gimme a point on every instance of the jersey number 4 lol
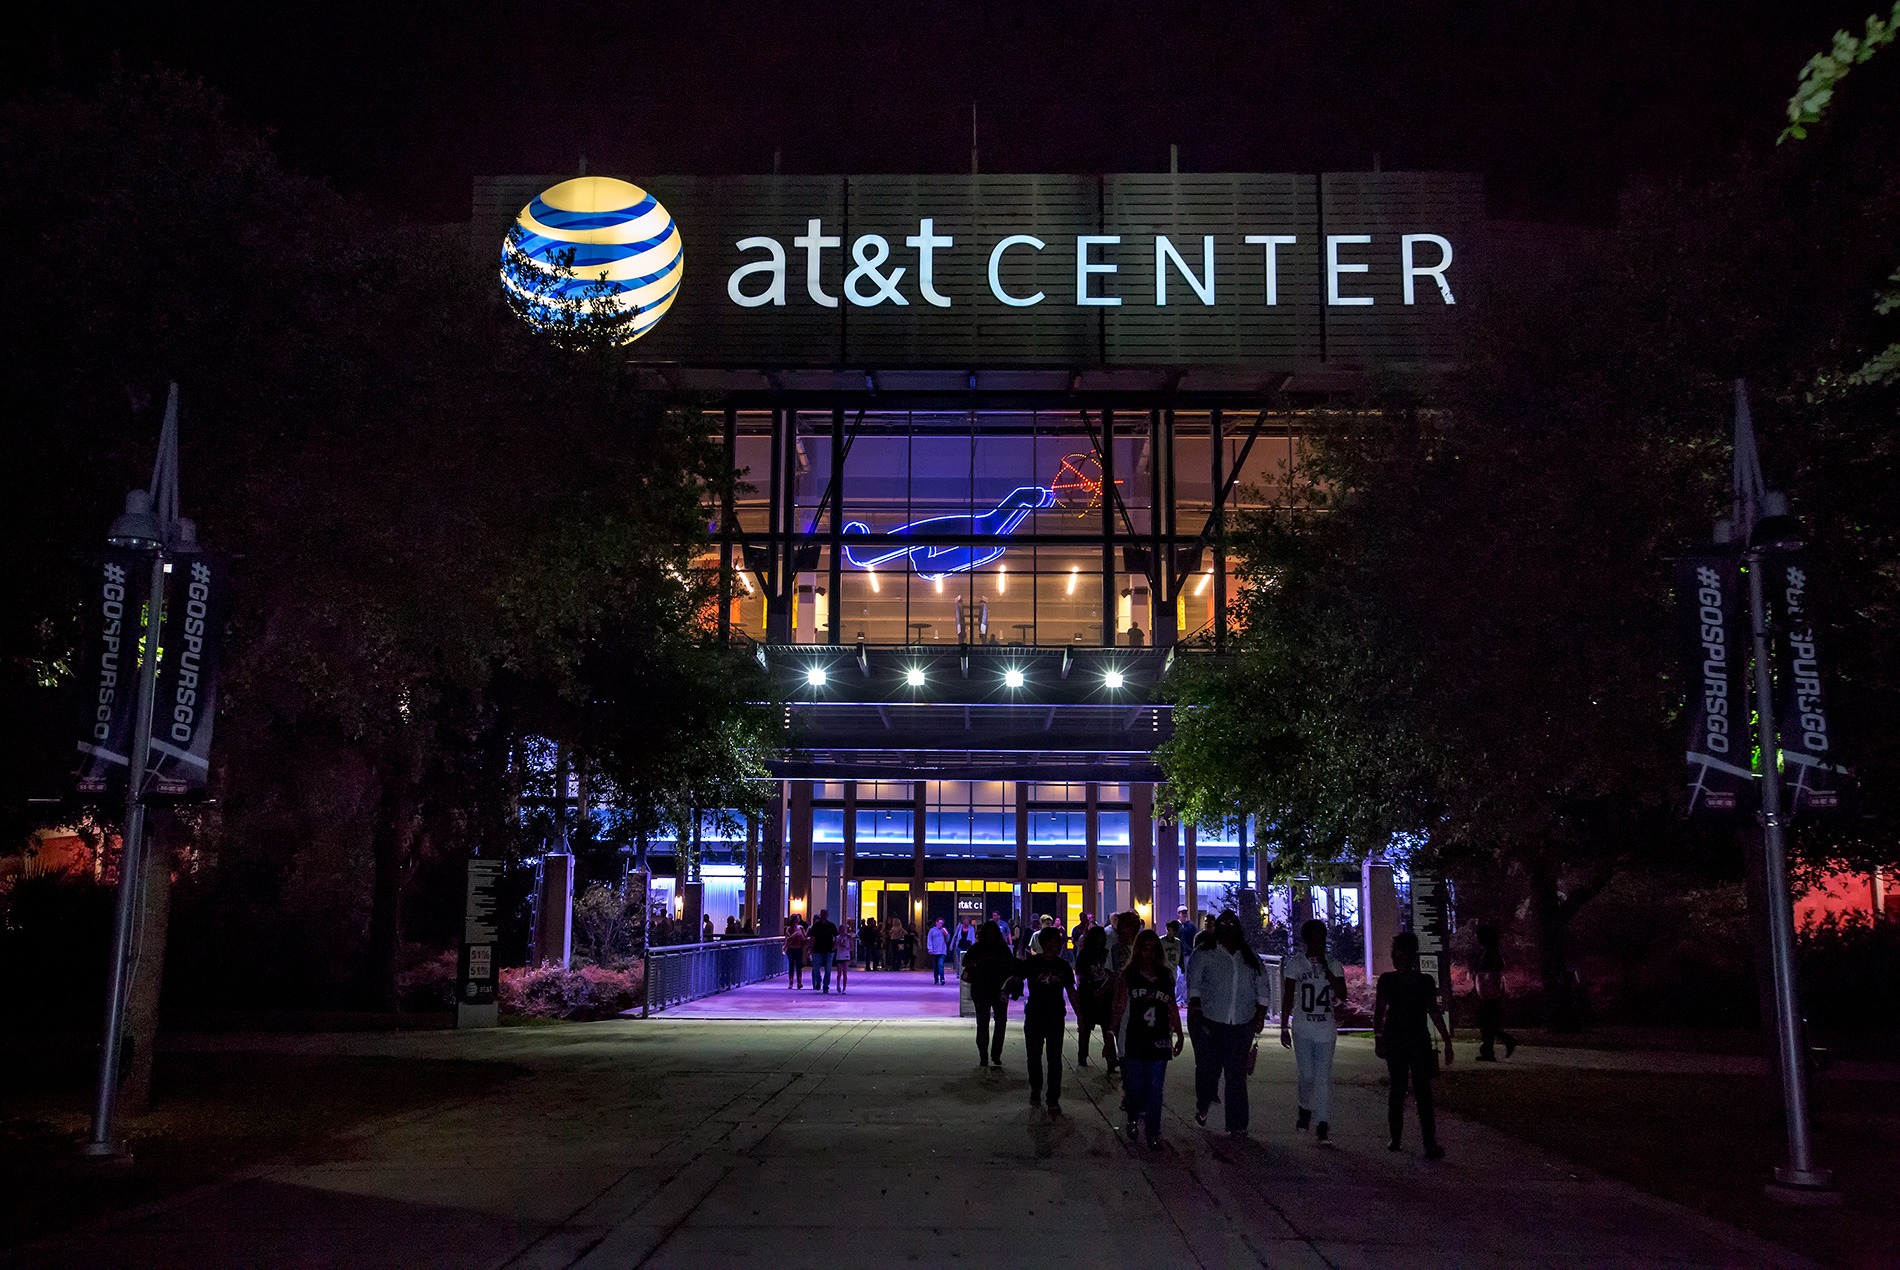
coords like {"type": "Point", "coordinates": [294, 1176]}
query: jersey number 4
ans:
{"type": "Point", "coordinates": [1309, 1003]}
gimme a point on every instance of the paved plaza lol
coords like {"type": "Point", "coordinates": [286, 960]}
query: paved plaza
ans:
{"type": "Point", "coordinates": [839, 1143]}
{"type": "Point", "coordinates": [871, 994]}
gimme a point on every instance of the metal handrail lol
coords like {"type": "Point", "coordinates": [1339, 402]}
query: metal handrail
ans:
{"type": "Point", "coordinates": [678, 973]}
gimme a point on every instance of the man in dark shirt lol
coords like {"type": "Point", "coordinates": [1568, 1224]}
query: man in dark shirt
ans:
{"type": "Point", "coordinates": [824, 948]}
{"type": "Point", "coordinates": [1048, 981]}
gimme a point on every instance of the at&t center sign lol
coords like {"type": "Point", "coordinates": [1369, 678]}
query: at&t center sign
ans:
{"type": "Point", "coordinates": [997, 271]}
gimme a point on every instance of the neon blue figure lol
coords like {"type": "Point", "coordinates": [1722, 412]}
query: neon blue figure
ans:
{"type": "Point", "coordinates": [932, 563]}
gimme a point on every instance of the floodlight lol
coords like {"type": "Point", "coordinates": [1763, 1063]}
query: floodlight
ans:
{"type": "Point", "coordinates": [1012, 678]}
{"type": "Point", "coordinates": [1112, 680]}
{"type": "Point", "coordinates": [914, 677]}
{"type": "Point", "coordinates": [138, 528]}
{"type": "Point", "coordinates": [815, 676]}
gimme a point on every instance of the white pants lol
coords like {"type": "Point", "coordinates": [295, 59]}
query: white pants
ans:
{"type": "Point", "coordinates": [1313, 1055]}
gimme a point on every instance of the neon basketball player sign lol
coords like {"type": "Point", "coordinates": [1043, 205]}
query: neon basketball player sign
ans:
{"type": "Point", "coordinates": [1074, 490]}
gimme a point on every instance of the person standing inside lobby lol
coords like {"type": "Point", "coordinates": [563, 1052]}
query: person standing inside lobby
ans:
{"type": "Point", "coordinates": [937, 944]}
{"type": "Point", "coordinates": [824, 949]}
{"type": "Point", "coordinates": [1227, 1005]}
{"type": "Point", "coordinates": [796, 942]}
{"type": "Point", "coordinates": [847, 948]}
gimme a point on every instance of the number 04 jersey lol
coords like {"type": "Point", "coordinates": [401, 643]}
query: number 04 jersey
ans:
{"type": "Point", "coordinates": [1312, 995]}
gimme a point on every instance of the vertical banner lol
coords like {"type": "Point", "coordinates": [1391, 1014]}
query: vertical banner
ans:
{"type": "Point", "coordinates": [1812, 779]}
{"type": "Point", "coordinates": [109, 679]}
{"type": "Point", "coordinates": [1431, 922]}
{"type": "Point", "coordinates": [191, 640]}
{"type": "Point", "coordinates": [1708, 601]}
{"type": "Point", "coordinates": [477, 978]}
{"type": "Point", "coordinates": [637, 905]}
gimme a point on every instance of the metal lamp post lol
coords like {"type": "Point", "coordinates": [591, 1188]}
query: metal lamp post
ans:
{"type": "Point", "coordinates": [1763, 526]}
{"type": "Point", "coordinates": [155, 529]}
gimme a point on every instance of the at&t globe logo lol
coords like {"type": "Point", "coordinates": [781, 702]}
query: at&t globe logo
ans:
{"type": "Point", "coordinates": [593, 253]}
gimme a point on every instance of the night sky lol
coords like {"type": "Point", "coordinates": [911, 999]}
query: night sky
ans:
{"type": "Point", "coordinates": [400, 105]}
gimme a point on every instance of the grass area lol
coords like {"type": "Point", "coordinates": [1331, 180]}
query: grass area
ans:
{"type": "Point", "coordinates": [1708, 1142]}
{"type": "Point", "coordinates": [212, 1115]}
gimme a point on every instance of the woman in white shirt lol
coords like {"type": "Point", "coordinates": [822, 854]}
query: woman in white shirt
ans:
{"type": "Point", "coordinates": [1312, 984]}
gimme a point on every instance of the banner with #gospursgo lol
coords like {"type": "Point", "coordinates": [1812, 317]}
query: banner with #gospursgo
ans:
{"type": "Point", "coordinates": [1708, 593]}
{"type": "Point", "coordinates": [190, 642]}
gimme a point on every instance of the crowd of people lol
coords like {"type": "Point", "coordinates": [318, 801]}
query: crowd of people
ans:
{"type": "Point", "coordinates": [1143, 997]}
{"type": "Point", "coordinates": [1132, 986]}
{"type": "Point", "coordinates": [824, 946]}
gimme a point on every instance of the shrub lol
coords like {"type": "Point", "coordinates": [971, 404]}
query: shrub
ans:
{"type": "Point", "coordinates": [1850, 969]}
{"type": "Point", "coordinates": [585, 992]}
{"type": "Point", "coordinates": [427, 980]}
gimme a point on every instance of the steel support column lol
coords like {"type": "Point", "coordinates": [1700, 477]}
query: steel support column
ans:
{"type": "Point", "coordinates": [772, 866]}
{"type": "Point", "coordinates": [1092, 846]}
{"type": "Point", "coordinates": [1106, 454]}
{"type": "Point", "coordinates": [1141, 849]}
{"type": "Point", "coordinates": [1217, 444]}
{"type": "Point", "coordinates": [1022, 849]}
{"type": "Point", "coordinates": [834, 601]}
{"type": "Point", "coordinates": [919, 822]}
{"type": "Point", "coordinates": [799, 900]}
{"type": "Point", "coordinates": [1191, 848]}
{"type": "Point", "coordinates": [727, 523]}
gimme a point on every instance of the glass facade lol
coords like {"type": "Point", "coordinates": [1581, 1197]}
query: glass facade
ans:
{"type": "Point", "coordinates": [1027, 528]}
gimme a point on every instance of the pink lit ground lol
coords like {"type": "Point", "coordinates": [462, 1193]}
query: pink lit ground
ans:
{"type": "Point", "coordinates": [878, 994]}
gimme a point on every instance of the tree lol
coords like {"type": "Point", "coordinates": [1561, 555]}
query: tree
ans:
{"type": "Point", "coordinates": [1467, 636]}
{"type": "Point", "coordinates": [450, 530]}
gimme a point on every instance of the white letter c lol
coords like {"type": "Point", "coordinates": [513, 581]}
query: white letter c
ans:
{"type": "Point", "coordinates": [996, 260]}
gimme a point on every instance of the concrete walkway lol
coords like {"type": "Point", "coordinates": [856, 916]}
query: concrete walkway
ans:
{"type": "Point", "coordinates": [877, 994]}
{"type": "Point", "coordinates": [842, 1144]}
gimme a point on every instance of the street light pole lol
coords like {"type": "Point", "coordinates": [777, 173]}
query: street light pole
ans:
{"type": "Point", "coordinates": [1800, 1170]}
{"type": "Point", "coordinates": [1763, 523]}
{"type": "Point", "coordinates": [150, 524]}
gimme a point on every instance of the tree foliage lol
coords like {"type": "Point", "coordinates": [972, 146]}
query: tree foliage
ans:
{"type": "Point", "coordinates": [1465, 638]}
{"type": "Point", "coordinates": [451, 533]}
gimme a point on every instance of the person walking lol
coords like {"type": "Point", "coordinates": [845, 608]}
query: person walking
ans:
{"type": "Point", "coordinates": [1405, 999]}
{"type": "Point", "coordinates": [824, 950]}
{"type": "Point", "coordinates": [1227, 1001]}
{"type": "Point", "coordinates": [1175, 949]}
{"type": "Point", "coordinates": [1095, 998]}
{"type": "Point", "coordinates": [1147, 1032]}
{"type": "Point", "coordinates": [796, 943]}
{"type": "Point", "coordinates": [1049, 981]}
{"type": "Point", "coordinates": [937, 944]}
{"type": "Point", "coordinates": [1487, 971]}
{"type": "Point", "coordinates": [1189, 933]}
{"type": "Point", "coordinates": [1311, 984]}
{"type": "Point", "coordinates": [871, 938]}
{"type": "Point", "coordinates": [706, 932]}
{"type": "Point", "coordinates": [1206, 1070]}
{"type": "Point", "coordinates": [732, 928]}
{"type": "Point", "coordinates": [847, 948]}
{"type": "Point", "coordinates": [897, 944]}
{"type": "Point", "coordinates": [1079, 933]}
{"type": "Point", "coordinates": [964, 940]}
{"type": "Point", "coordinates": [987, 968]}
